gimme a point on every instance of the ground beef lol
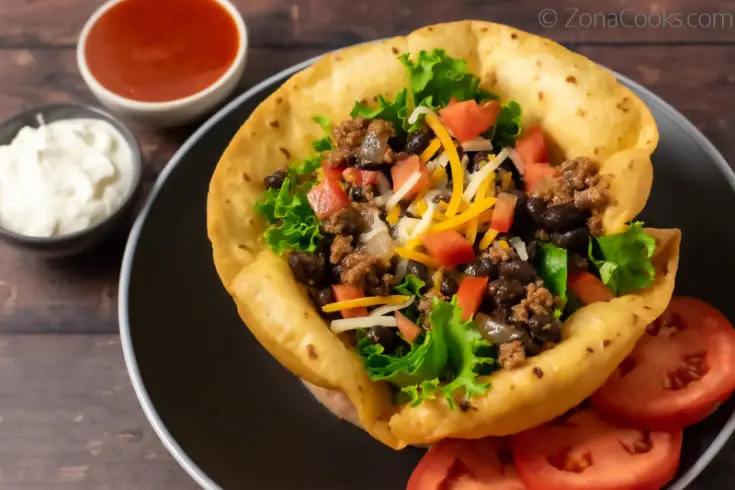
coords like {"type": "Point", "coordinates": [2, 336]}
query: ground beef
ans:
{"type": "Point", "coordinates": [591, 198]}
{"type": "Point", "coordinates": [511, 355]}
{"type": "Point", "coordinates": [500, 254]}
{"type": "Point", "coordinates": [594, 223]}
{"type": "Point", "coordinates": [367, 271]}
{"type": "Point", "coordinates": [339, 157]}
{"type": "Point", "coordinates": [349, 134]}
{"type": "Point", "coordinates": [426, 300]}
{"type": "Point", "coordinates": [538, 300]}
{"type": "Point", "coordinates": [345, 221]}
{"type": "Point", "coordinates": [341, 248]}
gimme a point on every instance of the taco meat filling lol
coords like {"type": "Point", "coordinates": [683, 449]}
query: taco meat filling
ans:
{"type": "Point", "coordinates": [446, 228]}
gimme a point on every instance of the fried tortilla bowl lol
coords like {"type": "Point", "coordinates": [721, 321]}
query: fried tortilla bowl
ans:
{"type": "Point", "coordinates": [583, 112]}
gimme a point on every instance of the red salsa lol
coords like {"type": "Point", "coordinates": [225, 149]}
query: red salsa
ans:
{"type": "Point", "coordinates": [161, 50]}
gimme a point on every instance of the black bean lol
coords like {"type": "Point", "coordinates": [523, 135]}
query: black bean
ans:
{"type": "Point", "coordinates": [576, 239]}
{"type": "Point", "coordinates": [356, 193]}
{"type": "Point", "coordinates": [322, 297]}
{"type": "Point", "coordinates": [418, 141]}
{"type": "Point", "coordinates": [496, 331]}
{"type": "Point", "coordinates": [506, 292]}
{"type": "Point", "coordinates": [309, 268]}
{"type": "Point", "coordinates": [544, 328]}
{"type": "Point", "coordinates": [532, 250]}
{"type": "Point", "coordinates": [275, 180]}
{"type": "Point", "coordinates": [481, 267]}
{"type": "Point", "coordinates": [386, 337]}
{"type": "Point", "coordinates": [562, 217]}
{"type": "Point", "coordinates": [449, 287]}
{"type": "Point", "coordinates": [417, 269]}
{"type": "Point", "coordinates": [535, 208]}
{"type": "Point", "coordinates": [444, 195]}
{"type": "Point", "coordinates": [519, 270]}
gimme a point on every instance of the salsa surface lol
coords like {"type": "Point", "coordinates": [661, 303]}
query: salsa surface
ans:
{"type": "Point", "coordinates": [162, 50]}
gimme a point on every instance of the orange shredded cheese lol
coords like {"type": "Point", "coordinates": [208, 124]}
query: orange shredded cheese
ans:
{"type": "Point", "coordinates": [457, 171]}
{"type": "Point", "coordinates": [417, 256]}
{"type": "Point", "coordinates": [430, 150]}
{"type": "Point", "coordinates": [488, 238]}
{"type": "Point", "coordinates": [473, 211]}
{"type": "Point", "coordinates": [360, 302]}
{"type": "Point", "coordinates": [393, 215]}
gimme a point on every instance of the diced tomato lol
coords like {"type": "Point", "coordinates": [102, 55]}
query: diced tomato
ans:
{"type": "Point", "coordinates": [469, 295]}
{"type": "Point", "coordinates": [503, 212]}
{"type": "Point", "coordinates": [360, 177]}
{"type": "Point", "coordinates": [343, 292]}
{"type": "Point", "coordinates": [332, 173]}
{"type": "Point", "coordinates": [449, 248]}
{"type": "Point", "coordinates": [327, 198]}
{"type": "Point", "coordinates": [472, 464]}
{"type": "Point", "coordinates": [531, 146]}
{"type": "Point", "coordinates": [679, 372]}
{"type": "Point", "coordinates": [467, 120]}
{"type": "Point", "coordinates": [584, 452]}
{"type": "Point", "coordinates": [368, 176]}
{"type": "Point", "coordinates": [535, 173]}
{"type": "Point", "coordinates": [404, 169]}
{"type": "Point", "coordinates": [409, 329]}
{"type": "Point", "coordinates": [588, 288]}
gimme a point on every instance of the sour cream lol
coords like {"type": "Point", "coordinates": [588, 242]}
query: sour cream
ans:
{"type": "Point", "coordinates": [63, 177]}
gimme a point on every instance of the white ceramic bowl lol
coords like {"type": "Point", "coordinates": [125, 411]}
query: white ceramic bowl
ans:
{"type": "Point", "coordinates": [174, 112]}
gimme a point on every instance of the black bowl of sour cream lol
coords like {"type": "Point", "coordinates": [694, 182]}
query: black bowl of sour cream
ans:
{"type": "Point", "coordinates": [69, 175]}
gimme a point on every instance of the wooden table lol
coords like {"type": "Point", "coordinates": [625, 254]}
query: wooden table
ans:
{"type": "Point", "coordinates": [68, 415]}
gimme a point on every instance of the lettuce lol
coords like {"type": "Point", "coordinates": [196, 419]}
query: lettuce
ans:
{"type": "Point", "coordinates": [507, 127]}
{"type": "Point", "coordinates": [394, 111]}
{"type": "Point", "coordinates": [551, 264]}
{"type": "Point", "coordinates": [624, 259]}
{"type": "Point", "coordinates": [446, 361]}
{"type": "Point", "coordinates": [435, 78]}
{"type": "Point", "coordinates": [410, 286]}
{"type": "Point", "coordinates": [292, 224]}
{"type": "Point", "coordinates": [324, 143]}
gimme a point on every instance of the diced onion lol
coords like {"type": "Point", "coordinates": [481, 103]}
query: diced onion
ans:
{"type": "Point", "coordinates": [345, 324]}
{"type": "Point", "coordinates": [425, 222]}
{"type": "Point", "coordinates": [405, 227]}
{"type": "Point", "coordinates": [417, 112]}
{"type": "Point", "coordinates": [442, 160]}
{"type": "Point", "coordinates": [378, 241]}
{"type": "Point", "coordinates": [480, 175]}
{"type": "Point", "coordinates": [403, 191]}
{"type": "Point", "coordinates": [520, 247]}
{"type": "Point", "coordinates": [391, 308]}
{"type": "Point", "coordinates": [477, 144]}
{"type": "Point", "coordinates": [401, 268]}
{"type": "Point", "coordinates": [517, 161]}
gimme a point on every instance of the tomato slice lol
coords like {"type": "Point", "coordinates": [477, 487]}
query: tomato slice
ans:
{"type": "Point", "coordinates": [535, 173]}
{"type": "Point", "coordinates": [403, 170]}
{"type": "Point", "coordinates": [409, 329]}
{"type": "Point", "coordinates": [679, 372]}
{"type": "Point", "coordinates": [449, 248]}
{"type": "Point", "coordinates": [467, 120]}
{"type": "Point", "coordinates": [327, 198]}
{"type": "Point", "coordinates": [588, 288]}
{"type": "Point", "coordinates": [454, 464]}
{"type": "Point", "coordinates": [584, 452]}
{"type": "Point", "coordinates": [503, 212]}
{"type": "Point", "coordinates": [531, 146]}
{"type": "Point", "coordinates": [343, 292]}
{"type": "Point", "coordinates": [469, 295]}
{"type": "Point", "coordinates": [332, 173]}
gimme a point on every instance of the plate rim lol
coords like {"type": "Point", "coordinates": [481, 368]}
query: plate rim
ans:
{"type": "Point", "coordinates": [169, 442]}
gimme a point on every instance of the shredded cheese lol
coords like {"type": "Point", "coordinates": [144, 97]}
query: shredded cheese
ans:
{"type": "Point", "coordinates": [488, 238]}
{"type": "Point", "coordinates": [471, 231]}
{"type": "Point", "coordinates": [393, 215]}
{"type": "Point", "coordinates": [503, 244]}
{"type": "Point", "coordinates": [359, 302]}
{"type": "Point", "coordinates": [457, 171]}
{"type": "Point", "coordinates": [479, 177]}
{"type": "Point", "coordinates": [417, 256]}
{"type": "Point", "coordinates": [437, 176]}
{"type": "Point", "coordinates": [437, 279]}
{"type": "Point", "coordinates": [345, 324]}
{"type": "Point", "coordinates": [430, 150]}
{"type": "Point", "coordinates": [473, 211]}
{"type": "Point", "coordinates": [422, 227]}
{"type": "Point", "coordinates": [403, 191]}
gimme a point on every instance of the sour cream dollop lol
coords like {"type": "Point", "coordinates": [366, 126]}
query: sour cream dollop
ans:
{"type": "Point", "coordinates": [63, 177]}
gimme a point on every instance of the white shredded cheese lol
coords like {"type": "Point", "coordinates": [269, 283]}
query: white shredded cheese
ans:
{"type": "Point", "coordinates": [477, 178]}
{"type": "Point", "coordinates": [401, 269]}
{"type": "Point", "coordinates": [425, 222]}
{"type": "Point", "coordinates": [519, 246]}
{"type": "Point", "coordinates": [404, 228]}
{"type": "Point", "coordinates": [477, 144]}
{"type": "Point", "coordinates": [442, 160]}
{"type": "Point", "coordinates": [345, 324]}
{"type": "Point", "coordinates": [391, 308]}
{"type": "Point", "coordinates": [417, 112]}
{"type": "Point", "coordinates": [517, 161]}
{"type": "Point", "coordinates": [403, 191]}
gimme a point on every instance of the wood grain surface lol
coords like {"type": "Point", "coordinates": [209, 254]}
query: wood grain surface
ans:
{"type": "Point", "coordinates": [68, 415]}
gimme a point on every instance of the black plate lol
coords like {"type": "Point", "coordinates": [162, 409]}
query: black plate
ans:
{"type": "Point", "coordinates": [235, 419]}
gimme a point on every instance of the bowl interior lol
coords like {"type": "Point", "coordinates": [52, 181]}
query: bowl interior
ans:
{"type": "Point", "coordinates": [234, 415]}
